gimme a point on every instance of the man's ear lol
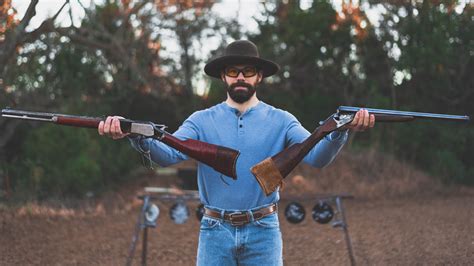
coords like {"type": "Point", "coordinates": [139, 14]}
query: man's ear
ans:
{"type": "Point", "coordinates": [223, 77]}
{"type": "Point", "coordinates": [260, 76]}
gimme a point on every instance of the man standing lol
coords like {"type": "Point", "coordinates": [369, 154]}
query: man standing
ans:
{"type": "Point", "coordinates": [240, 225]}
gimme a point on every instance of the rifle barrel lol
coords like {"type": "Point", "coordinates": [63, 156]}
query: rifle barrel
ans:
{"type": "Point", "coordinates": [47, 117]}
{"type": "Point", "coordinates": [222, 159]}
{"type": "Point", "coordinates": [352, 109]}
{"type": "Point", "coordinates": [39, 116]}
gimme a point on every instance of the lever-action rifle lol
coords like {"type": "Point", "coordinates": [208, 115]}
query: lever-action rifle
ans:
{"type": "Point", "coordinates": [220, 158]}
{"type": "Point", "coordinates": [271, 171]}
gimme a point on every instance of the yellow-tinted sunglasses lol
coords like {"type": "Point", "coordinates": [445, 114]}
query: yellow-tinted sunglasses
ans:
{"type": "Point", "coordinates": [248, 71]}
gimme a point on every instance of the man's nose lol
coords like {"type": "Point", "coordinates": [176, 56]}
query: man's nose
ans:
{"type": "Point", "coordinates": [240, 76]}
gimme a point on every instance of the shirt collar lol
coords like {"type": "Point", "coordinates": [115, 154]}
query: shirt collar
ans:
{"type": "Point", "coordinates": [227, 107]}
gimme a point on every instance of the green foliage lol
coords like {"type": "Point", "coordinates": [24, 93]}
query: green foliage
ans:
{"type": "Point", "coordinates": [60, 161]}
{"type": "Point", "coordinates": [418, 58]}
{"type": "Point", "coordinates": [323, 63]}
{"type": "Point", "coordinates": [111, 64]}
{"type": "Point", "coordinates": [435, 55]}
{"type": "Point", "coordinates": [64, 161]}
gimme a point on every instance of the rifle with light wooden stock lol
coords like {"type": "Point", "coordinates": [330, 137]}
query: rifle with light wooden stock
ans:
{"type": "Point", "coordinates": [220, 158]}
{"type": "Point", "coordinates": [271, 171]}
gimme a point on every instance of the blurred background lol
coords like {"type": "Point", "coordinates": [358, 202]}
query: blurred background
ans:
{"type": "Point", "coordinates": [144, 59]}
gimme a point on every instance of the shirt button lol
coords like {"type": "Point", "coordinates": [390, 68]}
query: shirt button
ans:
{"type": "Point", "coordinates": [241, 118]}
{"type": "Point", "coordinates": [240, 126]}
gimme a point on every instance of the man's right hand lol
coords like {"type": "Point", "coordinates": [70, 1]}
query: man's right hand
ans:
{"type": "Point", "coordinates": [111, 128]}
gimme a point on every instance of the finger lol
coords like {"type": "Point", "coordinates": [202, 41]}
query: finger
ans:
{"type": "Point", "coordinates": [117, 126]}
{"type": "Point", "coordinates": [355, 121]}
{"type": "Point", "coordinates": [372, 121]}
{"type": "Point", "coordinates": [107, 125]}
{"type": "Point", "coordinates": [366, 119]}
{"type": "Point", "coordinates": [360, 121]}
{"type": "Point", "coordinates": [100, 128]}
{"type": "Point", "coordinates": [113, 127]}
{"type": "Point", "coordinates": [118, 130]}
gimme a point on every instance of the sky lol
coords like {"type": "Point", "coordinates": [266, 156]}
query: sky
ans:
{"type": "Point", "coordinates": [47, 8]}
{"type": "Point", "coordinates": [244, 10]}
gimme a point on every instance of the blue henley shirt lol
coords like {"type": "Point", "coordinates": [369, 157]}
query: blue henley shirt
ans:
{"type": "Point", "coordinates": [261, 132]}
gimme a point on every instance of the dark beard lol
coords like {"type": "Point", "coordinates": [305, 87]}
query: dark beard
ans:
{"type": "Point", "coordinates": [241, 96]}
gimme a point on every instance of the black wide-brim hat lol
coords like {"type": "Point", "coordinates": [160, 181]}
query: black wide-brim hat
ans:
{"type": "Point", "coordinates": [241, 52]}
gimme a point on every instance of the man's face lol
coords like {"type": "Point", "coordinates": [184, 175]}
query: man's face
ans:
{"type": "Point", "coordinates": [241, 81]}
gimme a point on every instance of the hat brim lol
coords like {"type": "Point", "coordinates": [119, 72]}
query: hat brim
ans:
{"type": "Point", "coordinates": [214, 67]}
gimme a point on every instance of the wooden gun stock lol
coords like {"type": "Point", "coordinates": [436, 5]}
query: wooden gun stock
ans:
{"type": "Point", "coordinates": [220, 158]}
{"type": "Point", "coordinates": [271, 171]}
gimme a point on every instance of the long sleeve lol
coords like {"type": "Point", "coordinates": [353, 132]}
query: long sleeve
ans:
{"type": "Point", "coordinates": [161, 153]}
{"type": "Point", "coordinates": [260, 132]}
{"type": "Point", "coordinates": [325, 150]}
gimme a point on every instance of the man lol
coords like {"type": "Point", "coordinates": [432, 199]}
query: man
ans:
{"type": "Point", "coordinates": [240, 225]}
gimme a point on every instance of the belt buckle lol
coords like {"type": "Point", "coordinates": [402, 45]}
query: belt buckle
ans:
{"type": "Point", "coordinates": [237, 214]}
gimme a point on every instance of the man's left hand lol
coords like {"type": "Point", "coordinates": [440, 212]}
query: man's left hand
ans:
{"type": "Point", "coordinates": [362, 121]}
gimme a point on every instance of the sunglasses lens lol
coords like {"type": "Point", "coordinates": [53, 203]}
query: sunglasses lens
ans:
{"type": "Point", "coordinates": [232, 72]}
{"type": "Point", "coordinates": [249, 71]}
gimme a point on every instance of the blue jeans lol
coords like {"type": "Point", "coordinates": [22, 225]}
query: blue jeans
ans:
{"type": "Point", "coordinates": [256, 243]}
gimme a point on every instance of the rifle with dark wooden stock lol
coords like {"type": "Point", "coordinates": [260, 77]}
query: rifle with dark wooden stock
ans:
{"type": "Point", "coordinates": [271, 171]}
{"type": "Point", "coordinates": [220, 158]}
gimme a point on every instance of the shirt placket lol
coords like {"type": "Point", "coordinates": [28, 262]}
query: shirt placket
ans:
{"type": "Point", "coordinates": [240, 125]}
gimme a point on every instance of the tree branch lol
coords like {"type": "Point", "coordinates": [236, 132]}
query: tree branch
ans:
{"type": "Point", "coordinates": [8, 46]}
{"type": "Point", "coordinates": [19, 35]}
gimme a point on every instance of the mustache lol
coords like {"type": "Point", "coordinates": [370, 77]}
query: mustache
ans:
{"type": "Point", "coordinates": [241, 84]}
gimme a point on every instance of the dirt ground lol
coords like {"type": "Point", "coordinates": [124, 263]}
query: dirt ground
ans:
{"type": "Point", "coordinates": [399, 231]}
{"type": "Point", "coordinates": [399, 216]}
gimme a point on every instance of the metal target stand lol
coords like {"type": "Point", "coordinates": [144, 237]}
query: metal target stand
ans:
{"type": "Point", "coordinates": [340, 222]}
{"type": "Point", "coordinates": [323, 213]}
{"type": "Point", "coordinates": [149, 214]}
{"type": "Point", "coordinates": [146, 218]}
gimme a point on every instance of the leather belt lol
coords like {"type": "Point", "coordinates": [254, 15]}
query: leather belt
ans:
{"type": "Point", "coordinates": [241, 217]}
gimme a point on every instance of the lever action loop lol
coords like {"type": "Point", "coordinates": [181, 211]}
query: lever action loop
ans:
{"type": "Point", "coordinates": [160, 130]}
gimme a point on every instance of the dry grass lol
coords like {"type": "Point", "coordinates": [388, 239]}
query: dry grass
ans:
{"type": "Point", "coordinates": [418, 221]}
{"type": "Point", "coordinates": [365, 175]}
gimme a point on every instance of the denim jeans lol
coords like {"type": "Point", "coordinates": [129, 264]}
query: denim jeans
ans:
{"type": "Point", "coordinates": [256, 243]}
